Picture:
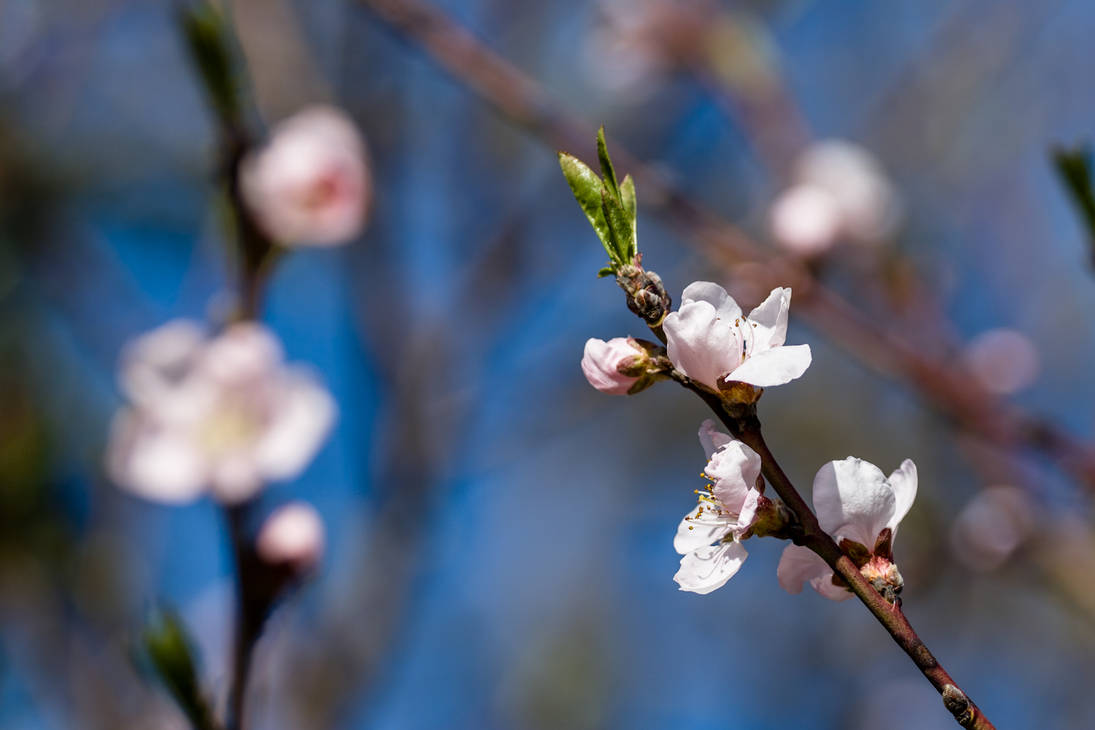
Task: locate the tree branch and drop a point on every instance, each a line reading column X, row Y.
column 943, row 383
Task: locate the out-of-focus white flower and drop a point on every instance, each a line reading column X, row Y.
column 605, row 364
column 710, row 341
column 292, row 535
column 805, row 219
column 224, row 414
column 854, row 501
column 835, row 179
column 310, row 184
column 992, row 526
column 1004, row 361
column 709, row 537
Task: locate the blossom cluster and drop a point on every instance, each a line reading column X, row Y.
column 712, row 345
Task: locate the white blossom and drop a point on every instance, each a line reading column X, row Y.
column 602, row 363
column 709, row 537
column 224, row 415
column 854, row 500
column 712, row 342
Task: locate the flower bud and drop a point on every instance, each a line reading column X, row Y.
column 292, row 537
column 805, row 220
column 615, row 366
column 310, row 184
column 646, row 295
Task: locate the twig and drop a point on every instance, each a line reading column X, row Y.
column 943, row 384
column 744, row 425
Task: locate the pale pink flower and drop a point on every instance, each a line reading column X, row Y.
column 602, row 363
column 854, row 501
column 310, row 184
column 223, row 414
column 292, row 535
column 805, row 219
column 1004, row 361
column 992, row 526
column 867, row 203
column 709, row 537
column 712, row 342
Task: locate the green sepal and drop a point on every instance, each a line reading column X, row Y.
column 606, row 271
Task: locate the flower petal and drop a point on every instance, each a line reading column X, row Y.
column 695, row 532
column 712, row 438
column 798, row 565
column 708, row 568
column 853, row 499
column 771, row 320
column 698, row 345
column 903, row 482
column 600, row 364
column 773, row 367
column 154, row 462
column 713, row 294
column 734, row 470
column 823, row 584
column 300, row 422
column 748, row 513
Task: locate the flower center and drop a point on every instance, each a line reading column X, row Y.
column 230, row 427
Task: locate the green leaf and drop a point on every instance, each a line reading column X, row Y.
column 606, row 271
column 168, row 648
column 207, row 38
column 620, row 227
column 588, row 191
column 1074, row 168
column 607, row 171
column 627, row 197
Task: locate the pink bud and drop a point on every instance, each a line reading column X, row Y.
column 310, row 184
column 293, row 535
column 603, row 361
column 805, row 219
column 1004, row 361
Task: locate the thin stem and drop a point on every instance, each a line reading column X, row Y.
column 247, row 628
column 744, row 425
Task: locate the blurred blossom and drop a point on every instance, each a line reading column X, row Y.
column 635, row 44
column 854, row 501
column 224, row 414
column 603, row 363
column 992, row 526
column 310, row 184
column 710, row 341
column 1004, row 361
column 292, row 535
column 805, row 219
column 709, row 537
column 866, row 205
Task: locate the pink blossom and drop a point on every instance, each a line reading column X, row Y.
column 292, row 535
column 310, row 184
column 805, row 219
column 1004, row 361
column 710, row 341
column 854, row 501
column 868, row 205
column 223, row 414
column 604, row 363
column 709, row 537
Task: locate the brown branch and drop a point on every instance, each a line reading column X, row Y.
column 944, row 384
column 744, row 425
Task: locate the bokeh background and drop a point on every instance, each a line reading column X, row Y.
column 500, row 534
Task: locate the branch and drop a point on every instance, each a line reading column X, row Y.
column 744, row 425
column 942, row 383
